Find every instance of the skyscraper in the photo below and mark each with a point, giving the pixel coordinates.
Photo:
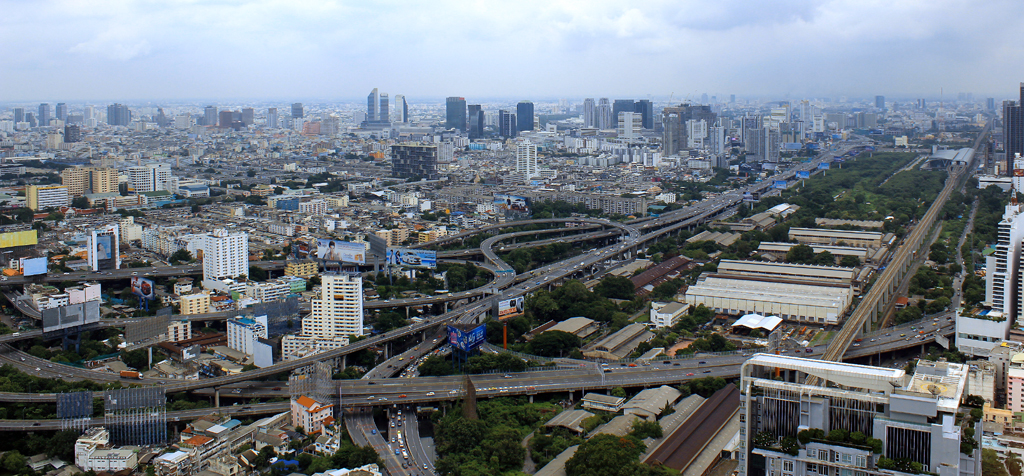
(674, 120)
(414, 160)
(646, 111)
(297, 110)
(337, 313)
(990, 104)
(880, 102)
(19, 115)
(604, 114)
(1013, 129)
(401, 109)
(248, 116)
(622, 105)
(62, 111)
(524, 116)
(373, 106)
(118, 115)
(476, 121)
(210, 116)
(526, 160)
(272, 118)
(589, 113)
(44, 114)
(630, 124)
(384, 110)
(507, 124)
(72, 133)
(225, 255)
(455, 113)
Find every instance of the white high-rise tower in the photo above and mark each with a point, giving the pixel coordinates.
(225, 255)
(526, 160)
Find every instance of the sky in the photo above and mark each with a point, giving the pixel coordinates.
(523, 49)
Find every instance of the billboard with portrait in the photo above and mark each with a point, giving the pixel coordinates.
(411, 258)
(823, 166)
(779, 184)
(33, 266)
(143, 288)
(467, 340)
(104, 247)
(803, 174)
(510, 308)
(511, 203)
(334, 250)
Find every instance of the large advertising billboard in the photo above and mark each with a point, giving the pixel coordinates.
(143, 288)
(510, 308)
(511, 203)
(803, 174)
(779, 184)
(467, 340)
(823, 166)
(33, 266)
(334, 250)
(72, 315)
(104, 247)
(19, 238)
(412, 258)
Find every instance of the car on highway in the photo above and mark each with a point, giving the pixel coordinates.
(371, 397)
(430, 394)
(690, 374)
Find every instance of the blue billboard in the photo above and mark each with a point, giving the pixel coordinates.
(467, 341)
(803, 174)
(334, 250)
(33, 266)
(823, 166)
(779, 184)
(411, 258)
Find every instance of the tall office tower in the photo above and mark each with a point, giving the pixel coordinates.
(630, 124)
(161, 118)
(19, 115)
(921, 103)
(297, 110)
(401, 110)
(604, 114)
(272, 118)
(225, 255)
(911, 420)
(41, 197)
(30, 118)
(248, 116)
(62, 111)
(414, 160)
(210, 116)
(118, 115)
(455, 113)
(880, 102)
(771, 143)
(149, 177)
(89, 113)
(704, 99)
(373, 106)
(44, 114)
(526, 160)
(646, 110)
(384, 110)
(990, 104)
(72, 133)
(507, 124)
(732, 99)
(589, 113)
(225, 118)
(524, 116)
(622, 105)
(83, 180)
(1013, 129)
(716, 139)
(674, 120)
(476, 121)
(337, 310)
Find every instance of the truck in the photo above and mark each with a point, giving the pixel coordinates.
(131, 374)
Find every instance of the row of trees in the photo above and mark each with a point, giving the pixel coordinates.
(488, 445)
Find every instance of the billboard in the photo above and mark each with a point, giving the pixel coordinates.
(823, 166)
(510, 308)
(467, 340)
(143, 288)
(33, 266)
(378, 245)
(19, 238)
(104, 247)
(779, 184)
(412, 258)
(72, 315)
(334, 250)
(511, 203)
(803, 174)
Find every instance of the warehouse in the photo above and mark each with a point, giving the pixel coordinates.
(823, 236)
(808, 303)
(796, 273)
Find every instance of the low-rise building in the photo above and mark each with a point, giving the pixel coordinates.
(197, 303)
(604, 403)
(93, 453)
(620, 344)
(666, 314)
(310, 414)
(302, 269)
(582, 327)
(179, 330)
(649, 403)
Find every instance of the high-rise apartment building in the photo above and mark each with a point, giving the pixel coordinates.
(272, 118)
(336, 314)
(524, 116)
(248, 116)
(880, 102)
(297, 110)
(72, 133)
(476, 121)
(507, 124)
(245, 331)
(1003, 278)
(1013, 129)
(373, 106)
(990, 104)
(589, 113)
(225, 255)
(210, 116)
(414, 160)
(118, 115)
(646, 110)
(674, 121)
(604, 114)
(62, 111)
(83, 180)
(44, 114)
(888, 420)
(401, 110)
(630, 125)
(526, 160)
(455, 113)
(19, 115)
(149, 177)
(41, 197)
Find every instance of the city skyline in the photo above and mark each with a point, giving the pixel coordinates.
(139, 51)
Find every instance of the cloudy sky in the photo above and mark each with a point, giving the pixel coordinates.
(318, 49)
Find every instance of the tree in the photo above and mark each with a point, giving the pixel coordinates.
(80, 202)
(436, 365)
(181, 255)
(990, 464)
(800, 254)
(619, 392)
(554, 343)
(250, 173)
(824, 258)
(665, 290)
(607, 455)
(257, 274)
(643, 429)
(850, 261)
(615, 287)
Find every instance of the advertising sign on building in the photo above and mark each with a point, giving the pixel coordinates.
(143, 288)
(334, 250)
(823, 166)
(411, 258)
(33, 266)
(467, 340)
(511, 203)
(510, 308)
(803, 174)
(779, 184)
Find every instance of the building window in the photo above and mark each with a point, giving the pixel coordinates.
(847, 458)
(861, 461)
(787, 466)
(812, 453)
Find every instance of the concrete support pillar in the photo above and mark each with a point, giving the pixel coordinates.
(531, 398)
(344, 361)
(216, 398)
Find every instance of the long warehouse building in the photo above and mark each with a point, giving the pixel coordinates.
(809, 303)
